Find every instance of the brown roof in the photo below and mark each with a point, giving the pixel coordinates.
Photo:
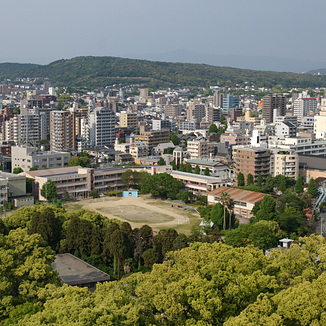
(239, 194)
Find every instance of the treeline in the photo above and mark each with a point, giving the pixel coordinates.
(204, 284)
(103, 71)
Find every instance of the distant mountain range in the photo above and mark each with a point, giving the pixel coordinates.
(321, 71)
(104, 71)
(269, 63)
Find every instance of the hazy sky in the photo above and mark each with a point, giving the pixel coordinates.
(44, 31)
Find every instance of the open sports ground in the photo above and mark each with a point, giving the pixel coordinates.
(139, 211)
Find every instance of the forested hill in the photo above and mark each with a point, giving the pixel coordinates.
(103, 71)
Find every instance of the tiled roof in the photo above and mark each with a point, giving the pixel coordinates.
(239, 194)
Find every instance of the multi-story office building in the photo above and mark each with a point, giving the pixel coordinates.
(200, 148)
(252, 160)
(101, 124)
(285, 163)
(272, 102)
(162, 124)
(235, 138)
(173, 110)
(196, 112)
(218, 99)
(62, 131)
(129, 120)
(230, 101)
(213, 114)
(152, 138)
(30, 157)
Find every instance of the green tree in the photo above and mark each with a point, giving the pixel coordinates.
(33, 168)
(263, 234)
(250, 179)
(260, 180)
(240, 179)
(161, 161)
(265, 210)
(189, 168)
(206, 172)
(48, 224)
(225, 201)
(49, 190)
(312, 188)
(17, 170)
(25, 268)
(197, 169)
(162, 185)
(212, 128)
(175, 139)
(298, 188)
(173, 164)
(181, 167)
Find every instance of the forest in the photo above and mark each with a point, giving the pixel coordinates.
(159, 278)
(92, 72)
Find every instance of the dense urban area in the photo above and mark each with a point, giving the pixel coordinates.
(139, 203)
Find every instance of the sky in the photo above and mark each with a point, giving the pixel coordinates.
(36, 31)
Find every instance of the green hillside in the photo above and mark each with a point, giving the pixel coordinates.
(103, 71)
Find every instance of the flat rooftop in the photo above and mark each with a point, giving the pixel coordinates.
(74, 271)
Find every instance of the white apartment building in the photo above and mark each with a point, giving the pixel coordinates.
(285, 163)
(285, 129)
(29, 157)
(303, 106)
(101, 124)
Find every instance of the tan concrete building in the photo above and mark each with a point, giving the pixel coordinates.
(254, 160)
(200, 148)
(152, 138)
(129, 120)
(285, 163)
(62, 131)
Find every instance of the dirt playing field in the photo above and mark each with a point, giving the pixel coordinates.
(139, 211)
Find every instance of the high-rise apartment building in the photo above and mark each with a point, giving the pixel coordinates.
(101, 124)
(218, 99)
(252, 160)
(62, 131)
(29, 127)
(271, 102)
(196, 112)
(302, 107)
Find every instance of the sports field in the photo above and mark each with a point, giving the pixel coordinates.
(139, 211)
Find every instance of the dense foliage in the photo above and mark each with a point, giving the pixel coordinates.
(205, 284)
(103, 71)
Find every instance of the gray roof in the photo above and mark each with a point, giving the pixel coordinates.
(73, 270)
